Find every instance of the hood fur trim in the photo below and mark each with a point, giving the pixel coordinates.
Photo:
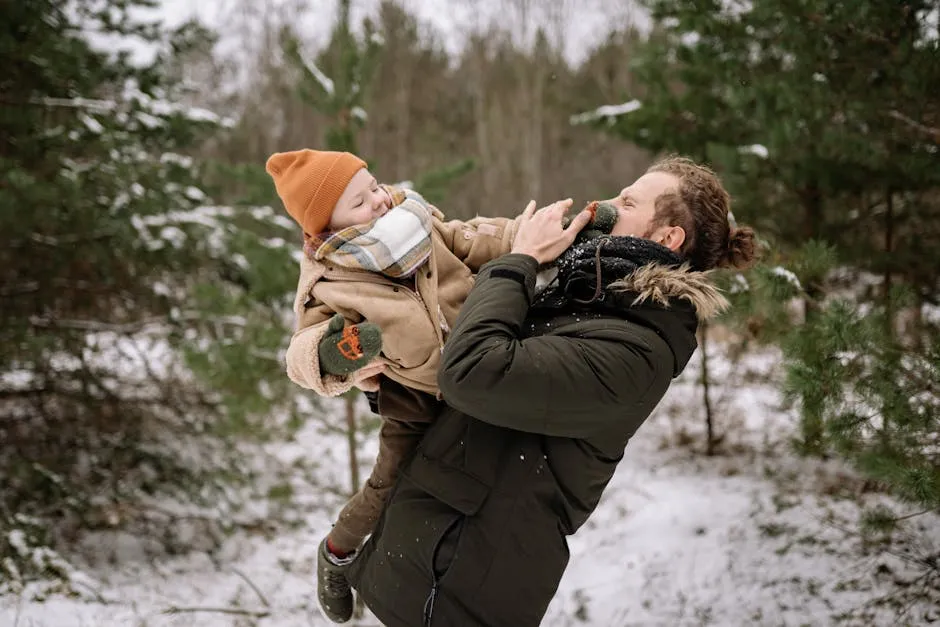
(658, 283)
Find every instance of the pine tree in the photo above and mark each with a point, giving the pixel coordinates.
(821, 117)
(819, 114)
(141, 324)
(869, 397)
(338, 89)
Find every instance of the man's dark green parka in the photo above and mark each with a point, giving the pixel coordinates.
(539, 406)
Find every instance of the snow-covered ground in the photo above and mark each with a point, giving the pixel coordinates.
(751, 536)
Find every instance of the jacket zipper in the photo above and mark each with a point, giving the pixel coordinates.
(429, 604)
(436, 582)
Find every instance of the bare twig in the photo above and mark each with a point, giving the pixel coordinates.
(59, 240)
(94, 325)
(217, 610)
(251, 584)
(4, 394)
(130, 327)
(23, 288)
(98, 597)
(914, 515)
(923, 128)
(265, 355)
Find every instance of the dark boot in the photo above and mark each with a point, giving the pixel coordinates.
(333, 591)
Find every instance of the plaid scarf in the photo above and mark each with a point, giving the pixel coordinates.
(396, 244)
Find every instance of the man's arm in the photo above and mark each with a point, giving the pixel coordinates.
(556, 385)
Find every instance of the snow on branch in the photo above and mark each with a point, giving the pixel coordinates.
(206, 216)
(606, 111)
(97, 106)
(166, 108)
(168, 222)
(739, 284)
(758, 150)
(325, 81)
(787, 276)
(267, 214)
(151, 107)
(182, 161)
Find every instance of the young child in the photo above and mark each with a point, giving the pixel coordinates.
(382, 279)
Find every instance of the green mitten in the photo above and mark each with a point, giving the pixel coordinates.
(604, 217)
(346, 349)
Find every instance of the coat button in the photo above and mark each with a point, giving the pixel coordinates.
(395, 289)
(429, 275)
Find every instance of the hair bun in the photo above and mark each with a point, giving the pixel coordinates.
(742, 248)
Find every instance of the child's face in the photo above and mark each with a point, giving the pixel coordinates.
(361, 202)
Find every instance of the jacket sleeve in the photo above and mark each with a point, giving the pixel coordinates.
(479, 240)
(303, 352)
(555, 385)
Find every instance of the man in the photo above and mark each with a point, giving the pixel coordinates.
(542, 392)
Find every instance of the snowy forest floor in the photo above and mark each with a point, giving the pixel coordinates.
(753, 535)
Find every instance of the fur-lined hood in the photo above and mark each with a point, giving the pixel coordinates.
(658, 284)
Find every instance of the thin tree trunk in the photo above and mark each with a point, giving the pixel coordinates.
(481, 122)
(351, 429)
(403, 127)
(889, 245)
(917, 321)
(812, 218)
(536, 128)
(706, 395)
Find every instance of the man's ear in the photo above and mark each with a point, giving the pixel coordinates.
(672, 237)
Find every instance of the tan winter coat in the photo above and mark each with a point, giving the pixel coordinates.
(414, 315)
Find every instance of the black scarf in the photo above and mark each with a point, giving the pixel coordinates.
(587, 268)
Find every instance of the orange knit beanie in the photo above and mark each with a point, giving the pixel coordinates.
(310, 182)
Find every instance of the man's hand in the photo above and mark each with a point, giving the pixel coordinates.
(541, 233)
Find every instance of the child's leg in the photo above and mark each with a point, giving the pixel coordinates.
(397, 440)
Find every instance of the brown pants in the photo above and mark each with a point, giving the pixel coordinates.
(406, 415)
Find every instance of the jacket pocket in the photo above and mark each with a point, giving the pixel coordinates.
(446, 548)
(446, 437)
(448, 484)
(464, 451)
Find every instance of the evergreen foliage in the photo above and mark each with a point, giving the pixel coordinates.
(141, 324)
(819, 114)
(867, 396)
(822, 118)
